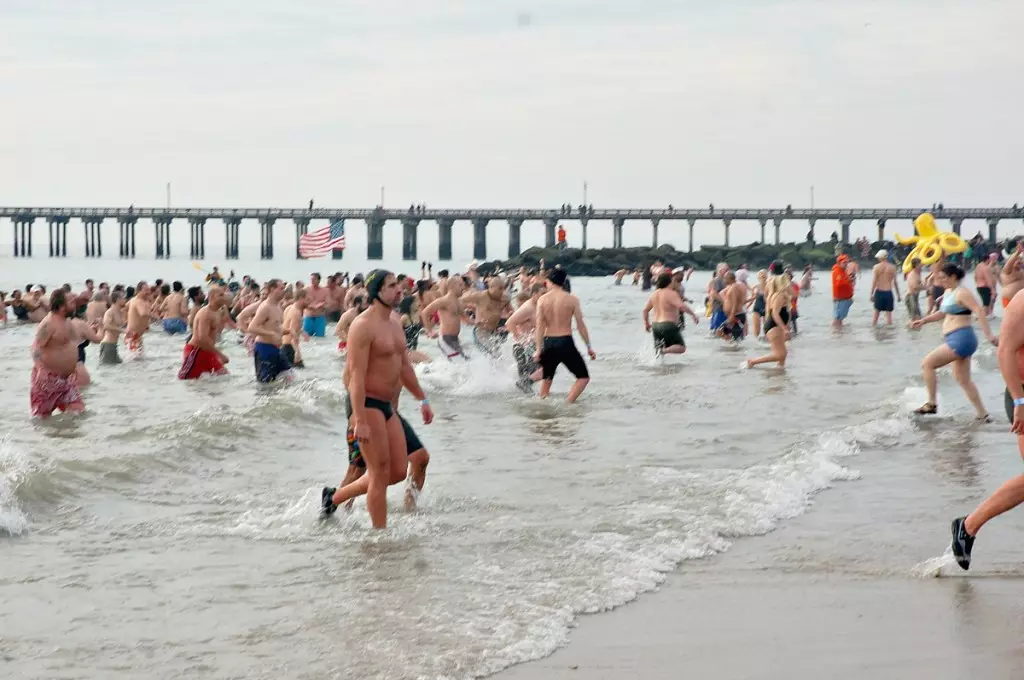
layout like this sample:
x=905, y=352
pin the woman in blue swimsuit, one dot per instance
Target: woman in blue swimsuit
x=960, y=341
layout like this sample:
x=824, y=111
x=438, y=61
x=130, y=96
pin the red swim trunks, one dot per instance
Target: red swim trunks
x=195, y=362
x=133, y=341
x=342, y=347
x=50, y=392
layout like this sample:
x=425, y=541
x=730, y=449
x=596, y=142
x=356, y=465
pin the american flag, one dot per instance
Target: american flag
x=321, y=242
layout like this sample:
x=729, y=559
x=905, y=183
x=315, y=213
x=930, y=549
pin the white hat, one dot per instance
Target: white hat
x=37, y=288
x=472, y=265
x=741, y=275
x=882, y=254
x=678, y=270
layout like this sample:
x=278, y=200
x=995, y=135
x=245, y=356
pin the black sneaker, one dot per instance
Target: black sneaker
x=327, y=506
x=962, y=544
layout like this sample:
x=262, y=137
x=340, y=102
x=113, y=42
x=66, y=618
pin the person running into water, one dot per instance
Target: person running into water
x=556, y=311
x=82, y=333
x=113, y=324
x=449, y=311
x=776, y=327
x=805, y=281
x=1011, y=493
x=138, y=318
x=960, y=341
x=54, y=362
x=668, y=307
x=915, y=284
x=883, y=284
x=842, y=291
x=758, y=307
x=175, y=311
x=522, y=325
x=985, y=281
x=1011, y=278
x=270, y=362
x=734, y=306
x=291, y=330
x=715, y=287
x=200, y=355
x=488, y=306
x=359, y=306
x=314, y=321
x=376, y=366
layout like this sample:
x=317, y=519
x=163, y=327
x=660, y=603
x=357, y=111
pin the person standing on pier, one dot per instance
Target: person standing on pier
x=314, y=321
x=54, y=362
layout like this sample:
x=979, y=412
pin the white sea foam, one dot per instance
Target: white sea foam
x=13, y=467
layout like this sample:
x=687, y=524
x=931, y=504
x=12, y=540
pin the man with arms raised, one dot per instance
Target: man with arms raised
x=201, y=354
x=54, y=361
x=448, y=309
x=522, y=324
x=291, y=337
x=266, y=329
x=556, y=310
x=374, y=372
x=668, y=307
x=138, y=318
x=883, y=284
x=314, y=320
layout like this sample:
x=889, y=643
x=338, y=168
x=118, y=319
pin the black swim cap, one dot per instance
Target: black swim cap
x=375, y=282
x=557, y=277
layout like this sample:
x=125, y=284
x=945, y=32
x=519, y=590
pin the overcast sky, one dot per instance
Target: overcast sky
x=496, y=103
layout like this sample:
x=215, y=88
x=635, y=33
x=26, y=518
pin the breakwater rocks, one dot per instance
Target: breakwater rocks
x=607, y=261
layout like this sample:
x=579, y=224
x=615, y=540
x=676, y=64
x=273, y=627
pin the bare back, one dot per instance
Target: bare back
x=557, y=308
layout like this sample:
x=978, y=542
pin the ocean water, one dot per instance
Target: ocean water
x=172, y=530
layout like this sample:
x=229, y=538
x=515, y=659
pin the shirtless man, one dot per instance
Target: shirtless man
x=374, y=373
x=314, y=321
x=359, y=306
x=883, y=284
x=619, y=275
x=266, y=327
x=97, y=307
x=335, y=298
x=113, y=324
x=291, y=330
x=175, y=311
x=806, y=279
x=915, y=284
x=242, y=321
x=489, y=305
x=522, y=325
x=556, y=310
x=138, y=318
x=37, y=307
x=985, y=281
x=1011, y=278
x=668, y=306
x=357, y=289
x=201, y=355
x=449, y=311
x=734, y=305
x=54, y=360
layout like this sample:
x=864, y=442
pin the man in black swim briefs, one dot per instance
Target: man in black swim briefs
x=377, y=367
x=556, y=311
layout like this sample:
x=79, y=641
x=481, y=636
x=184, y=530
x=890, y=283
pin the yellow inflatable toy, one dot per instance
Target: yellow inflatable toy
x=930, y=244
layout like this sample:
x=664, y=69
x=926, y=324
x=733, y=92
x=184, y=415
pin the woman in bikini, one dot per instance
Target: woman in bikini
x=960, y=341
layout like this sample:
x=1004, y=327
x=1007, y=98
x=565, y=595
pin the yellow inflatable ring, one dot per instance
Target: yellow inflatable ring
x=931, y=253
x=952, y=243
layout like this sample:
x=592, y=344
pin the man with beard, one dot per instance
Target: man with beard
x=54, y=361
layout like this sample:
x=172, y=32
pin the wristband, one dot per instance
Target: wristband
x=1018, y=402
x=424, y=402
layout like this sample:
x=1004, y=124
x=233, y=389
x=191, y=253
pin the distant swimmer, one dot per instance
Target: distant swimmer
x=54, y=361
x=200, y=355
x=113, y=324
x=449, y=311
x=291, y=330
x=1011, y=278
x=960, y=341
x=619, y=275
x=314, y=321
x=375, y=371
x=668, y=306
x=734, y=306
x=409, y=316
x=138, y=318
x=1011, y=493
x=522, y=325
x=842, y=290
x=175, y=311
x=359, y=306
x=489, y=330
x=266, y=327
x=985, y=281
x=883, y=285
x=83, y=334
x=556, y=311
x=915, y=284
x=357, y=289
x=715, y=287
x=776, y=327
x=97, y=307
x=806, y=279
x=756, y=301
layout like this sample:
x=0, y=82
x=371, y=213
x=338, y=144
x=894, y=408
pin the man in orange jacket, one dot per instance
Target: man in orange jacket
x=842, y=290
